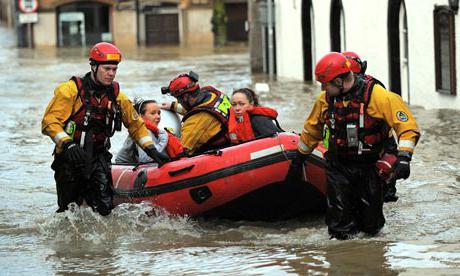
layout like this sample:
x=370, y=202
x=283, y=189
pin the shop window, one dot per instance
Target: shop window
x=444, y=46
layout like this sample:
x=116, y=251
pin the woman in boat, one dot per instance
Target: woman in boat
x=248, y=119
x=164, y=141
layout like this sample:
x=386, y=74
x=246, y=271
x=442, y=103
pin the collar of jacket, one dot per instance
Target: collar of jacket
x=92, y=87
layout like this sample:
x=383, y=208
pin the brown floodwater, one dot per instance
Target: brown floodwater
x=421, y=235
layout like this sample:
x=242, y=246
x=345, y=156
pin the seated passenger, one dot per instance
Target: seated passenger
x=165, y=142
x=248, y=119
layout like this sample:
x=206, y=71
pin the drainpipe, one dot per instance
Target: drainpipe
x=271, y=69
x=138, y=39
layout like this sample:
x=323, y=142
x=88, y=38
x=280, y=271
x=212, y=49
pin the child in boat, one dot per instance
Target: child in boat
x=248, y=119
x=164, y=141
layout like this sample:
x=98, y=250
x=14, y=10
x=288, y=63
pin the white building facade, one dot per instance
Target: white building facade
x=410, y=45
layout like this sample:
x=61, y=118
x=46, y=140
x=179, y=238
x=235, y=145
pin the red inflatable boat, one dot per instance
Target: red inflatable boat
x=245, y=181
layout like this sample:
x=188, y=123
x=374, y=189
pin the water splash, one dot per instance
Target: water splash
x=126, y=220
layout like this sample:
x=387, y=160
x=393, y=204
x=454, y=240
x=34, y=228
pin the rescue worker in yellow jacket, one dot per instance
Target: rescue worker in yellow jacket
x=359, y=66
x=81, y=117
x=205, y=110
x=353, y=116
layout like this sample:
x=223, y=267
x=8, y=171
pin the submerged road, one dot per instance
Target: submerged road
x=421, y=235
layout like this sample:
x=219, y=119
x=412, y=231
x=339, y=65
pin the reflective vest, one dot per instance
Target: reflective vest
x=350, y=130
x=219, y=108
x=240, y=130
x=96, y=120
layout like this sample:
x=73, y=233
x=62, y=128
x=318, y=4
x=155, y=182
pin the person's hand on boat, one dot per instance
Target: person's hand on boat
x=74, y=154
x=296, y=168
x=157, y=156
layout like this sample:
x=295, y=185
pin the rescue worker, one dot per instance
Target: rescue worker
x=359, y=66
x=81, y=117
x=357, y=114
x=206, y=113
x=164, y=141
x=248, y=119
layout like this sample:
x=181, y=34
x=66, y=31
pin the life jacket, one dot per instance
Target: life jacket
x=219, y=108
x=174, y=147
x=240, y=130
x=341, y=120
x=96, y=121
x=371, y=78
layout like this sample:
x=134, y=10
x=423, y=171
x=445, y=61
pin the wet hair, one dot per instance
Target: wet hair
x=139, y=105
x=250, y=94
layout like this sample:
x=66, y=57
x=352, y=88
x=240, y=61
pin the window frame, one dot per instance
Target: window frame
x=437, y=13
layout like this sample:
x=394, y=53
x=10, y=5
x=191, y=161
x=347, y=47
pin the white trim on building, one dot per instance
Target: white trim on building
x=366, y=33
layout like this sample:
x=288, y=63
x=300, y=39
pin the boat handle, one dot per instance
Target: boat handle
x=180, y=171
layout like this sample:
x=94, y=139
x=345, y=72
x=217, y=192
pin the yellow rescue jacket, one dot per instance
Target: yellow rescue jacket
x=199, y=128
x=66, y=103
x=383, y=104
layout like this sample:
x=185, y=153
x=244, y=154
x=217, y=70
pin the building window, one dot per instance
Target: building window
x=444, y=46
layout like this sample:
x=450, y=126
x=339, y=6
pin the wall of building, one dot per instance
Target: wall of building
x=45, y=30
x=422, y=56
x=366, y=33
x=287, y=22
x=7, y=12
x=124, y=29
x=197, y=27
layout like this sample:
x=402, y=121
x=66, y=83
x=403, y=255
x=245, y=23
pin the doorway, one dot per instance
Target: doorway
x=398, y=49
x=307, y=40
x=87, y=30
x=337, y=26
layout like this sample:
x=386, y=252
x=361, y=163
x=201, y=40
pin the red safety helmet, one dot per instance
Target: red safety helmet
x=181, y=84
x=356, y=63
x=104, y=53
x=330, y=66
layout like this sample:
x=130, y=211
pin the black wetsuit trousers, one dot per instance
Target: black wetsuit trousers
x=93, y=186
x=354, y=199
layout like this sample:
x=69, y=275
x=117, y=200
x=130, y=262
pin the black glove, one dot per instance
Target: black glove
x=74, y=154
x=296, y=168
x=402, y=165
x=157, y=156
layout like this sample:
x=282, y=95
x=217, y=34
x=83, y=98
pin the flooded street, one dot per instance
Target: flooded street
x=421, y=236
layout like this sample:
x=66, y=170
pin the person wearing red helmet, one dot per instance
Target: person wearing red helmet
x=352, y=117
x=205, y=110
x=359, y=66
x=81, y=117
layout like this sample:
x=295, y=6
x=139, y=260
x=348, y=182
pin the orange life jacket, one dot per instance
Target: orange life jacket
x=174, y=147
x=240, y=130
x=96, y=120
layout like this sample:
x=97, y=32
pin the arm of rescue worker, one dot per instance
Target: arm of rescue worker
x=159, y=143
x=311, y=135
x=174, y=106
x=197, y=130
x=312, y=132
x=133, y=122
x=60, y=108
x=391, y=108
